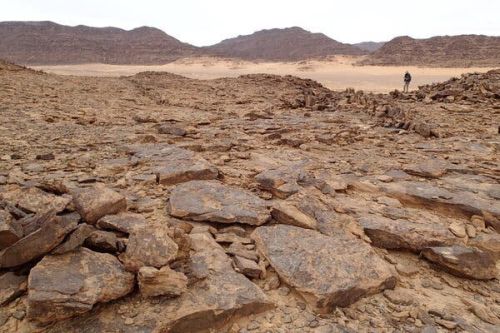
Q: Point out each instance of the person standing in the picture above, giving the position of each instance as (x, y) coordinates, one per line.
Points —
(407, 80)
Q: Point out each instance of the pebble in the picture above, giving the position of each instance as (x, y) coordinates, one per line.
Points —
(19, 314)
(458, 229)
(283, 290)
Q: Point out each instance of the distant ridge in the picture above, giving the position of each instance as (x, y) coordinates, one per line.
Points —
(370, 46)
(289, 44)
(443, 51)
(52, 43)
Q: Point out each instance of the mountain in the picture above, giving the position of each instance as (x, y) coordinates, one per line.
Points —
(289, 44)
(370, 46)
(51, 43)
(444, 51)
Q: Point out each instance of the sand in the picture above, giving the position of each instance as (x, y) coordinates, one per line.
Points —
(337, 73)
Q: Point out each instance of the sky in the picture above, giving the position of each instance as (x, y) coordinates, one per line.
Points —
(206, 22)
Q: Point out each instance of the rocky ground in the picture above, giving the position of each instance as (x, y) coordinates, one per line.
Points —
(157, 203)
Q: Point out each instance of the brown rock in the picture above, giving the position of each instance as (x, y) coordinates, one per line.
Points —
(432, 168)
(149, 246)
(488, 243)
(286, 213)
(70, 284)
(38, 243)
(463, 261)
(172, 130)
(122, 222)
(75, 239)
(212, 201)
(102, 241)
(281, 182)
(164, 281)
(11, 287)
(10, 232)
(35, 200)
(237, 249)
(327, 271)
(399, 296)
(96, 202)
(403, 234)
(458, 229)
(247, 267)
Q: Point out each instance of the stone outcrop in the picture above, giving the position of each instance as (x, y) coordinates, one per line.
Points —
(214, 202)
(326, 271)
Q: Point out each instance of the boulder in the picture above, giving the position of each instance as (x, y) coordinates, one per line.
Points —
(11, 287)
(102, 241)
(75, 239)
(164, 281)
(247, 267)
(171, 129)
(463, 261)
(405, 235)
(149, 246)
(38, 243)
(286, 213)
(123, 222)
(488, 243)
(281, 182)
(328, 271)
(98, 201)
(67, 285)
(10, 232)
(212, 201)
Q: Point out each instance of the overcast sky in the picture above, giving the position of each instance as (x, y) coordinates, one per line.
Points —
(205, 22)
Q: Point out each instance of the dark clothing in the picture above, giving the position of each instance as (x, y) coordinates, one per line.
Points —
(407, 77)
(407, 82)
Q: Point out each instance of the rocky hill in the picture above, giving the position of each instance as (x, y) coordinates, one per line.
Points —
(370, 46)
(51, 43)
(288, 44)
(262, 203)
(442, 51)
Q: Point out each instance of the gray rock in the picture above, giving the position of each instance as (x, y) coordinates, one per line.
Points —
(123, 222)
(11, 287)
(281, 182)
(75, 239)
(327, 271)
(212, 201)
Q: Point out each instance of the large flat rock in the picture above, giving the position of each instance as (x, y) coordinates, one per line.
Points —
(214, 202)
(34, 200)
(173, 165)
(218, 296)
(405, 235)
(98, 201)
(328, 271)
(62, 286)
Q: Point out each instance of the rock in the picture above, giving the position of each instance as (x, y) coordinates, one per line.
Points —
(399, 296)
(212, 201)
(45, 157)
(237, 249)
(229, 237)
(122, 222)
(102, 241)
(247, 267)
(286, 213)
(463, 261)
(149, 246)
(478, 222)
(406, 270)
(281, 182)
(492, 220)
(327, 271)
(70, 284)
(96, 202)
(172, 130)
(11, 287)
(75, 239)
(164, 281)
(403, 234)
(432, 168)
(458, 229)
(38, 243)
(470, 230)
(35, 200)
(488, 243)
(10, 232)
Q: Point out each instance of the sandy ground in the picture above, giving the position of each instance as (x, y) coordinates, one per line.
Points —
(337, 73)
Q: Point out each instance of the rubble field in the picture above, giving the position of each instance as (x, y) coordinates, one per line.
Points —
(263, 203)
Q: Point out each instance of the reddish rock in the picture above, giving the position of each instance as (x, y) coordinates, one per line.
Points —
(10, 232)
(164, 281)
(96, 202)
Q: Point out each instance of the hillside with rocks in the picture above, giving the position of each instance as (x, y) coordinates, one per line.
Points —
(289, 44)
(48, 43)
(370, 46)
(440, 51)
(263, 203)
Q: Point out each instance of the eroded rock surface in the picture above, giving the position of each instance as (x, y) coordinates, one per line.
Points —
(96, 202)
(328, 271)
(214, 202)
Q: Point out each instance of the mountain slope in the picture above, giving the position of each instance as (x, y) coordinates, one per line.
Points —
(51, 43)
(447, 51)
(370, 46)
(288, 44)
